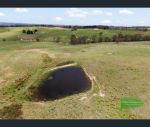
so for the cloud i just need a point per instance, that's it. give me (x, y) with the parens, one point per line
(2, 14)
(59, 19)
(75, 12)
(126, 12)
(109, 14)
(147, 14)
(22, 10)
(97, 12)
(141, 22)
(106, 22)
(39, 16)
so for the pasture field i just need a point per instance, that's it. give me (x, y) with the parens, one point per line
(120, 70)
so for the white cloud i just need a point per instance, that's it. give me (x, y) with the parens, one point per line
(106, 22)
(109, 14)
(59, 19)
(141, 22)
(22, 10)
(75, 12)
(2, 14)
(97, 12)
(126, 12)
(147, 14)
(39, 16)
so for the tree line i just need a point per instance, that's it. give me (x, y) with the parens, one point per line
(74, 39)
(29, 31)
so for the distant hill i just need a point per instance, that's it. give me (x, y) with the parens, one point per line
(7, 24)
(14, 24)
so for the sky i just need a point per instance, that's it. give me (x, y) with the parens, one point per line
(78, 16)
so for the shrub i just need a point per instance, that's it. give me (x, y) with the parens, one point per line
(35, 30)
(74, 28)
(73, 39)
(23, 31)
(3, 39)
(107, 39)
(56, 39)
(12, 111)
(29, 32)
(100, 39)
(85, 39)
(114, 38)
(20, 80)
(127, 38)
(88, 40)
(137, 37)
(94, 39)
(37, 39)
(100, 34)
(33, 93)
(131, 38)
(46, 58)
(82, 39)
(120, 35)
(146, 38)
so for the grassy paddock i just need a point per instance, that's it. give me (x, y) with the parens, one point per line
(121, 70)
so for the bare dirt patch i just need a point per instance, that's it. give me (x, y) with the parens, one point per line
(52, 55)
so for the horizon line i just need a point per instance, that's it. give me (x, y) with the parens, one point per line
(25, 23)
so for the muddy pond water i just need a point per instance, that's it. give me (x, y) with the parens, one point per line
(64, 82)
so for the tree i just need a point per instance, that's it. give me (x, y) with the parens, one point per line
(94, 39)
(146, 38)
(73, 28)
(73, 39)
(107, 39)
(137, 37)
(127, 37)
(23, 31)
(100, 37)
(35, 30)
(119, 38)
(82, 39)
(114, 38)
(29, 32)
(100, 34)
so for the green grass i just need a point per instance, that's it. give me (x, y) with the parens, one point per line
(121, 70)
(47, 34)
